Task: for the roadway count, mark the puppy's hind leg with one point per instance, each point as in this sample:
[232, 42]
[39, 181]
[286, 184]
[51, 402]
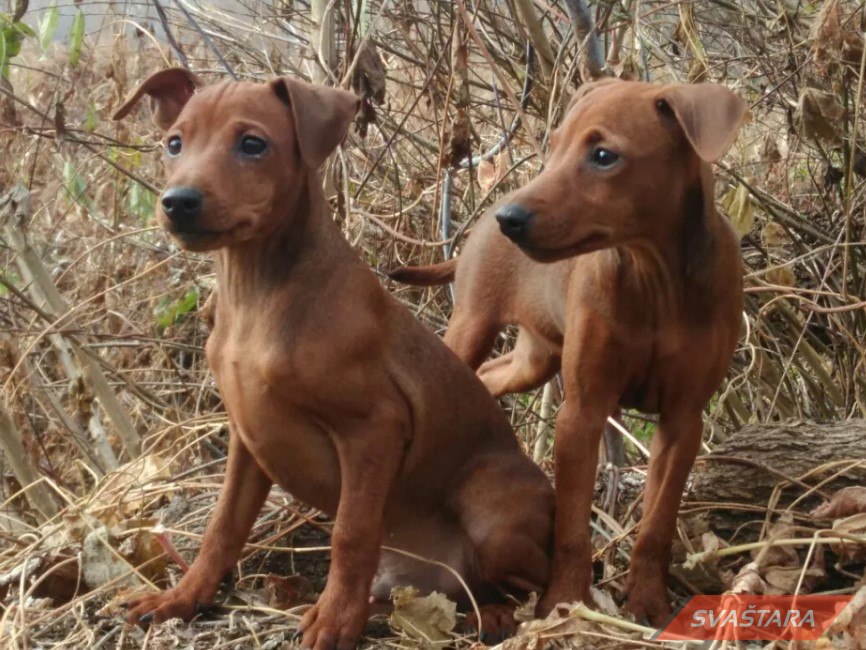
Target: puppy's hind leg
[506, 507]
[471, 336]
[531, 363]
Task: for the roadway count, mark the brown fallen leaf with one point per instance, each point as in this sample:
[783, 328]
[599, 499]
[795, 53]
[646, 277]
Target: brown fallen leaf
[817, 116]
[774, 235]
[847, 501]
[850, 552]
[143, 550]
[425, 618]
[368, 81]
[526, 611]
[748, 581]
[784, 579]
[738, 206]
[122, 493]
[852, 619]
[707, 575]
[490, 172]
[826, 32]
[60, 579]
[770, 149]
[782, 276]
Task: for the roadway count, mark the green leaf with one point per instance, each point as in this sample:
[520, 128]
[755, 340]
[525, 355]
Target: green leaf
[11, 36]
[25, 29]
[76, 38]
[91, 119]
[48, 27]
[168, 313]
[362, 13]
[75, 185]
[141, 202]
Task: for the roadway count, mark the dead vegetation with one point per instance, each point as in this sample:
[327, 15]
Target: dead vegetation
[112, 432]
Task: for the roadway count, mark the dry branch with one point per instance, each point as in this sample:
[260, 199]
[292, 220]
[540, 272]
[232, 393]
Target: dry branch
[44, 291]
[28, 476]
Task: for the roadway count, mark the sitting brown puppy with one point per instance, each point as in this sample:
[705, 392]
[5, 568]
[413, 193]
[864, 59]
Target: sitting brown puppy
[333, 390]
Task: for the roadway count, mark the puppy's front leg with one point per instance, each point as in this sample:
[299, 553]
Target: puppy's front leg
[241, 497]
[370, 454]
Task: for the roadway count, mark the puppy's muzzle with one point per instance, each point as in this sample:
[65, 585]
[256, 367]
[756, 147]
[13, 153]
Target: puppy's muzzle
[182, 205]
[513, 221]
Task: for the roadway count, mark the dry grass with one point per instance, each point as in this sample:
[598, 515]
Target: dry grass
[129, 297]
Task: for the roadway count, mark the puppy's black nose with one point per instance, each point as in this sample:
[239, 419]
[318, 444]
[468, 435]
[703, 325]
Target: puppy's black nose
[182, 204]
[513, 220]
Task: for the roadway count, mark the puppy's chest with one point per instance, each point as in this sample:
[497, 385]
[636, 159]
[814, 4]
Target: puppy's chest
[274, 419]
[256, 380]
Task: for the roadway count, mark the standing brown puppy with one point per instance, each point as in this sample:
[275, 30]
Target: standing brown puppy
[616, 267]
[333, 389]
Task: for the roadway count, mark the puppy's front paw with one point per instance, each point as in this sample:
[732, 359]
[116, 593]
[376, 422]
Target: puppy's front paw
[336, 622]
[148, 608]
[497, 623]
[648, 602]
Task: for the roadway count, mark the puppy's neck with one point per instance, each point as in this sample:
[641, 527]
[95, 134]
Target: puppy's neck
[255, 271]
[677, 269]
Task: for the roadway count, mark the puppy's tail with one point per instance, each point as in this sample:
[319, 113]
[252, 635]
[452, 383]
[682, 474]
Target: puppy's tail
[426, 276]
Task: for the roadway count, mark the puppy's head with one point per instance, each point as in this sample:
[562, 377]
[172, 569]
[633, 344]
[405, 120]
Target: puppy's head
[238, 153]
[624, 163]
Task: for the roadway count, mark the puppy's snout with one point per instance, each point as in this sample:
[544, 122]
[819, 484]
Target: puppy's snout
[182, 204]
[513, 220]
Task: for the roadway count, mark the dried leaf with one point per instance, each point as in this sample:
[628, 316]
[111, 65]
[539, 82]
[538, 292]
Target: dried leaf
[778, 555]
[852, 48]
[705, 575]
[847, 501]
[698, 72]
[368, 81]
[564, 623]
[748, 581]
[738, 206]
[852, 619]
[781, 275]
[526, 611]
[784, 579]
[850, 552]
[770, 150]
[817, 115]
[603, 601]
[490, 172]
[144, 551]
[460, 142]
[774, 235]
[487, 174]
[100, 564]
[826, 33]
[121, 493]
[428, 618]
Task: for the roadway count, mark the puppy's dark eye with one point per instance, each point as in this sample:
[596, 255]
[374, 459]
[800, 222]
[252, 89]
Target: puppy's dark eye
[250, 145]
[174, 145]
[603, 158]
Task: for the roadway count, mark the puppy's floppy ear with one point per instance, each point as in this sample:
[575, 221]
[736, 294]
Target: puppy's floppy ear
[709, 115]
[169, 91]
[322, 116]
